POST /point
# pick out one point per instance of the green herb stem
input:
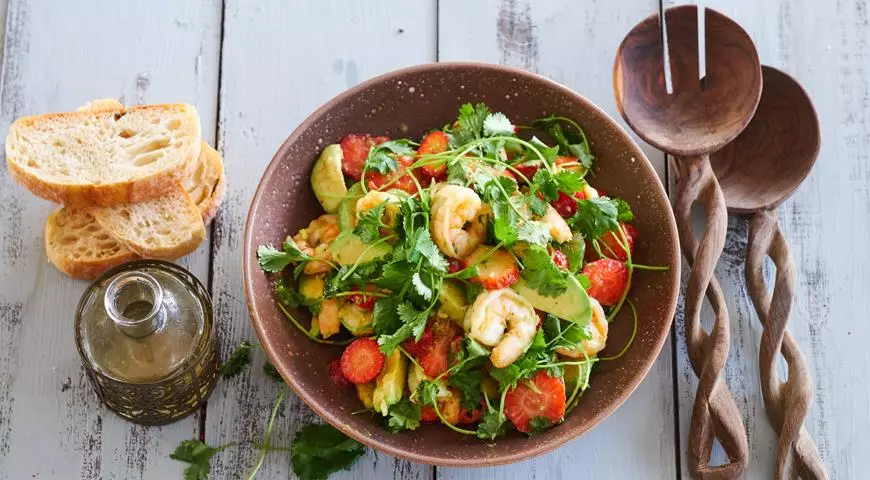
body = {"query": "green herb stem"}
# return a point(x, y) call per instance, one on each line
point(268, 437)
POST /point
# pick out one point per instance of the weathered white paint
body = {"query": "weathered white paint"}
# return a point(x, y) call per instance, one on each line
point(280, 62)
point(573, 44)
point(59, 55)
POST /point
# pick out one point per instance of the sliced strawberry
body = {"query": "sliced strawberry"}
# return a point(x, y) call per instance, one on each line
point(437, 348)
point(428, 415)
point(607, 280)
point(434, 142)
point(472, 416)
point(528, 169)
point(559, 258)
point(612, 240)
point(362, 360)
point(566, 205)
point(336, 376)
point(498, 270)
point(355, 149)
point(403, 181)
point(366, 302)
point(453, 265)
point(540, 396)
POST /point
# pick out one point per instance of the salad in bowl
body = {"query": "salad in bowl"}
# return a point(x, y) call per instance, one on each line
point(471, 275)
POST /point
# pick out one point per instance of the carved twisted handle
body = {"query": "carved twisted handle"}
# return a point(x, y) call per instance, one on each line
point(714, 413)
point(787, 402)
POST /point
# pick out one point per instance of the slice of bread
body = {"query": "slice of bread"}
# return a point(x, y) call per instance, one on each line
point(207, 185)
point(107, 156)
point(166, 228)
point(79, 247)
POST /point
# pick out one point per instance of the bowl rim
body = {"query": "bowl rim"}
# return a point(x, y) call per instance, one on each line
point(535, 449)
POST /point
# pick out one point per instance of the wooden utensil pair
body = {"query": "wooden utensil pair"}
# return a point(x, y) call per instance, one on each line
point(761, 146)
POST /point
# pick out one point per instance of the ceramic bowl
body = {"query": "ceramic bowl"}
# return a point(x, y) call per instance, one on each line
point(410, 102)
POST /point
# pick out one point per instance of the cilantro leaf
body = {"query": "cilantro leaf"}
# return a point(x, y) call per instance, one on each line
point(623, 210)
point(504, 222)
point(197, 455)
point(368, 227)
point(595, 217)
point(560, 333)
point(548, 153)
point(574, 250)
point(381, 158)
point(538, 425)
point(493, 424)
point(421, 287)
point(412, 321)
point(287, 293)
point(273, 260)
point(425, 247)
point(530, 362)
point(533, 232)
point(404, 415)
point(240, 358)
point(320, 450)
point(427, 392)
point(272, 372)
point(395, 274)
point(385, 318)
point(537, 205)
point(497, 124)
point(472, 291)
point(467, 382)
point(542, 274)
point(469, 123)
point(572, 142)
point(569, 182)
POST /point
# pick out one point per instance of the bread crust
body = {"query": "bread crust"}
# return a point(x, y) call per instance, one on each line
point(83, 268)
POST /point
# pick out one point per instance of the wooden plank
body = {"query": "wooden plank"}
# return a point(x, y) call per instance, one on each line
point(59, 55)
point(280, 62)
point(573, 44)
point(821, 221)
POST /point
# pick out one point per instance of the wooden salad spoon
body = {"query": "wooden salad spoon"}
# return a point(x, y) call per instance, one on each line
point(698, 118)
point(758, 171)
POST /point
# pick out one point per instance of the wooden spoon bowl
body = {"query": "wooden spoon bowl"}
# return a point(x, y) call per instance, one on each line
point(698, 117)
point(776, 151)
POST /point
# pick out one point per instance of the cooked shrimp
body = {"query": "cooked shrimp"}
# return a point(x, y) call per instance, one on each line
point(458, 223)
point(314, 241)
point(374, 199)
point(327, 319)
point(597, 329)
point(559, 229)
point(504, 320)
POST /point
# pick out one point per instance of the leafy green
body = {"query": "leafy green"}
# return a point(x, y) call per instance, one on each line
point(320, 450)
point(549, 184)
point(542, 274)
point(497, 124)
point(469, 123)
point(413, 322)
point(574, 251)
point(197, 455)
point(382, 159)
point(404, 415)
point(273, 260)
point(533, 232)
point(240, 358)
point(493, 424)
point(595, 217)
point(537, 425)
point(548, 153)
point(420, 286)
point(467, 382)
point(368, 227)
point(287, 293)
point(560, 333)
point(531, 361)
point(272, 372)
point(385, 317)
point(623, 210)
point(572, 142)
point(537, 205)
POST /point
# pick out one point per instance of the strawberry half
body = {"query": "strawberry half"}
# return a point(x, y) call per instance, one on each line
point(362, 360)
point(436, 349)
point(611, 247)
point(528, 169)
point(607, 280)
point(434, 142)
point(559, 258)
point(539, 396)
point(498, 270)
point(355, 149)
point(336, 376)
point(566, 205)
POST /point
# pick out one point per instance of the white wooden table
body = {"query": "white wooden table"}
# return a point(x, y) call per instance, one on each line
point(256, 68)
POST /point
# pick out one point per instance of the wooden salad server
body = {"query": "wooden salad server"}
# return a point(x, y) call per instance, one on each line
point(697, 119)
point(758, 171)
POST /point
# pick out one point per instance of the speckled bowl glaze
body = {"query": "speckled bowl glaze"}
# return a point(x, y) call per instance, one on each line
point(409, 102)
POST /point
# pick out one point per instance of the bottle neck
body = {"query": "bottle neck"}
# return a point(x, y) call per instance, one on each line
point(134, 301)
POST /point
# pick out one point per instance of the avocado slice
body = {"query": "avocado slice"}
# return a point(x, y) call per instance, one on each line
point(365, 392)
point(572, 305)
point(348, 249)
point(327, 179)
point(311, 287)
point(453, 304)
point(390, 384)
point(356, 320)
point(347, 207)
